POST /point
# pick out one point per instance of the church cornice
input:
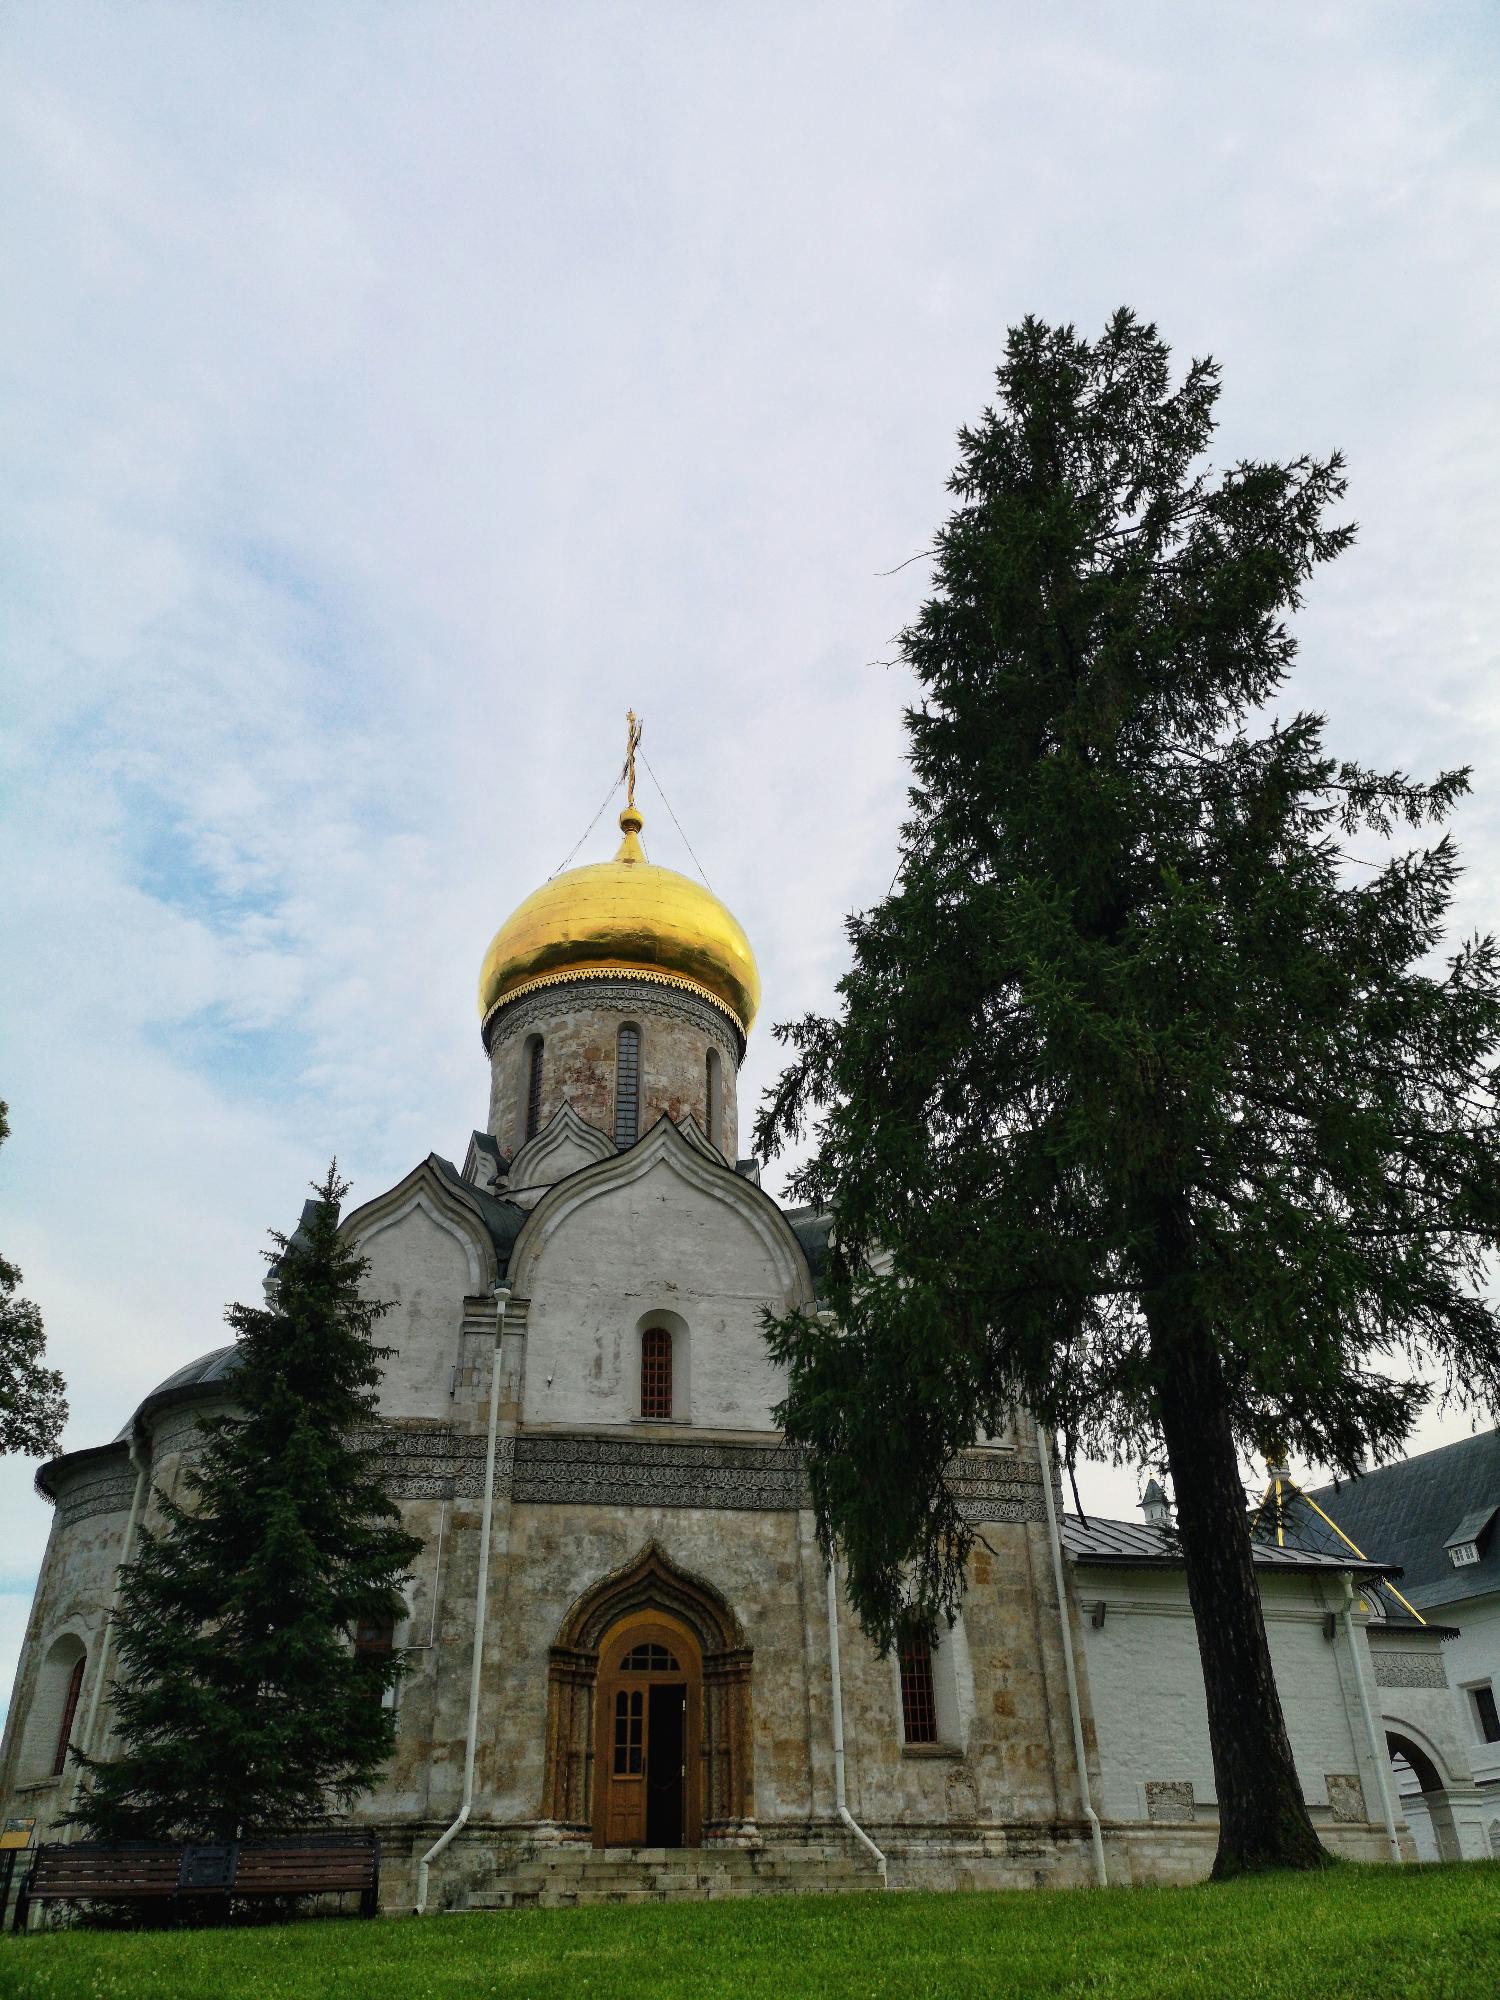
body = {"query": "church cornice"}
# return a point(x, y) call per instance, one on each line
point(618, 989)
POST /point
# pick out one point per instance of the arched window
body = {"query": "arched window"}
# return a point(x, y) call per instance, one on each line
point(533, 1085)
point(656, 1372)
point(627, 1085)
point(70, 1709)
point(711, 1096)
point(918, 1690)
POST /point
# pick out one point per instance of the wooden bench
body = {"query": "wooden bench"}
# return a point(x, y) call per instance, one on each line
point(99, 1872)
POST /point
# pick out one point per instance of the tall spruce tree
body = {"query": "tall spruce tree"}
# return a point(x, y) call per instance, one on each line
point(1153, 1094)
point(33, 1402)
point(242, 1704)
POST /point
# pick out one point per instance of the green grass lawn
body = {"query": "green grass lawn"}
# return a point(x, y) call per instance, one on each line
point(1379, 1933)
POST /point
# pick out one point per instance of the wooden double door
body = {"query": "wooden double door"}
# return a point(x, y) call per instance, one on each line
point(647, 1756)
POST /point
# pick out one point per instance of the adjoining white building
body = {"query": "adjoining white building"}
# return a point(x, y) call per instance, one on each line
point(627, 1666)
point(1438, 1517)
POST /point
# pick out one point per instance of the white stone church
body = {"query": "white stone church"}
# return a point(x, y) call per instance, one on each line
point(627, 1667)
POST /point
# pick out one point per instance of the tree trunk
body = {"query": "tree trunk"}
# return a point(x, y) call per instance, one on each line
point(1263, 1819)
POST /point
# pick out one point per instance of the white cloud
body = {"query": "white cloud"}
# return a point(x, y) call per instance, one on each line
point(388, 397)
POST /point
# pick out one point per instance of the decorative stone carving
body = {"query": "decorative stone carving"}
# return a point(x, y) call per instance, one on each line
point(427, 1461)
point(1346, 1798)
point(435, 1462)
point(651, 1582)
point(995, 1486)
point(633, 997)
point(1408, 1670)
point(626, 1472)
point(1169, 1799)
point(107, 1492)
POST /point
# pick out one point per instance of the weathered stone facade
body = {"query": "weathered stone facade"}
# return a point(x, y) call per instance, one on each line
point(578, 1023)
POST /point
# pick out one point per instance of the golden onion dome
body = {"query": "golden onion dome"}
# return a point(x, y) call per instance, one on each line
point(623, 916)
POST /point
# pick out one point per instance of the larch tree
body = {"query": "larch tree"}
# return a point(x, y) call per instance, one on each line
point(33, 1405)
point(1148, 1104)
point(243, 1704)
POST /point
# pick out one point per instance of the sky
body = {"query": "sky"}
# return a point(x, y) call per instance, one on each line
point(390, 395)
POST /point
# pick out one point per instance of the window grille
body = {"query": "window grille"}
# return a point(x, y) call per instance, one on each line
point(534, 1090)
point(918, 1693)
point(627, 1086)
point(710, 1097)
point(649, 1658)
point(70, 1709)
point(1485, 1713)
point(656, 1372)
point(630, 1712)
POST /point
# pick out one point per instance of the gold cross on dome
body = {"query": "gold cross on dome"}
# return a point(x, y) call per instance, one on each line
point(632, 743)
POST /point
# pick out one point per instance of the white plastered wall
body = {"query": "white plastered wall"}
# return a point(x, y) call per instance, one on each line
point(1146, 1680)
point(657, 1243)
point(1473, 1658)
point(425, 1262)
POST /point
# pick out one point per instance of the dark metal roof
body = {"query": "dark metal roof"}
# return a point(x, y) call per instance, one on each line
point(1408, 1513)
point(1098, 1544)
point(208, 1368)
point(502, 1219)
point(811, 1227)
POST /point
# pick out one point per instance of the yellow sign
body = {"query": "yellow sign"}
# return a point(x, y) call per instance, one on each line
point(16, 1833)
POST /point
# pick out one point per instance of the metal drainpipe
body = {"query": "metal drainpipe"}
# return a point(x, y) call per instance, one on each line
point(1377, 1743)
point(835, 1675)
point(481, 1595)
point(142, 1465)
point(1096, 1836)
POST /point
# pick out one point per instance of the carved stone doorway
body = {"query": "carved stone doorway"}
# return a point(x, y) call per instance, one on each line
point(649, 1786)
point(609, 1702)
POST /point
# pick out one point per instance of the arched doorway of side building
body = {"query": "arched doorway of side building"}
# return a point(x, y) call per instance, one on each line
point(1423, 1790)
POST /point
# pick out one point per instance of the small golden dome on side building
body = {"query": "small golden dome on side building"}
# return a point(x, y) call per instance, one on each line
point(625, 916)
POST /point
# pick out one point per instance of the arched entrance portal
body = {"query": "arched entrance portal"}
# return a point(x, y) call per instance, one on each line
point(648, 1787)
point(1409, 1757)
point(650, 1668)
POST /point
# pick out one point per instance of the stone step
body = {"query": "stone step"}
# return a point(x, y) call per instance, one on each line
point(572, 1877)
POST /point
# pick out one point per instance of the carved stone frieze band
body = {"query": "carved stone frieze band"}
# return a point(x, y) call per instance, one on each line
point(105, 1493)
point(572, 1468)
point(1408, 1670)
point(997, 1486)
point(616, 996)
point(435, 1461)
point(630, 1472)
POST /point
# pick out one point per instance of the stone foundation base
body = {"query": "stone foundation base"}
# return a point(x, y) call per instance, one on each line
point(1168, 1851)
point(539, 1866)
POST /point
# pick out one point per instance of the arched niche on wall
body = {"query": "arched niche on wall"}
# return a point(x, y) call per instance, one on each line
point(54, 1719)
